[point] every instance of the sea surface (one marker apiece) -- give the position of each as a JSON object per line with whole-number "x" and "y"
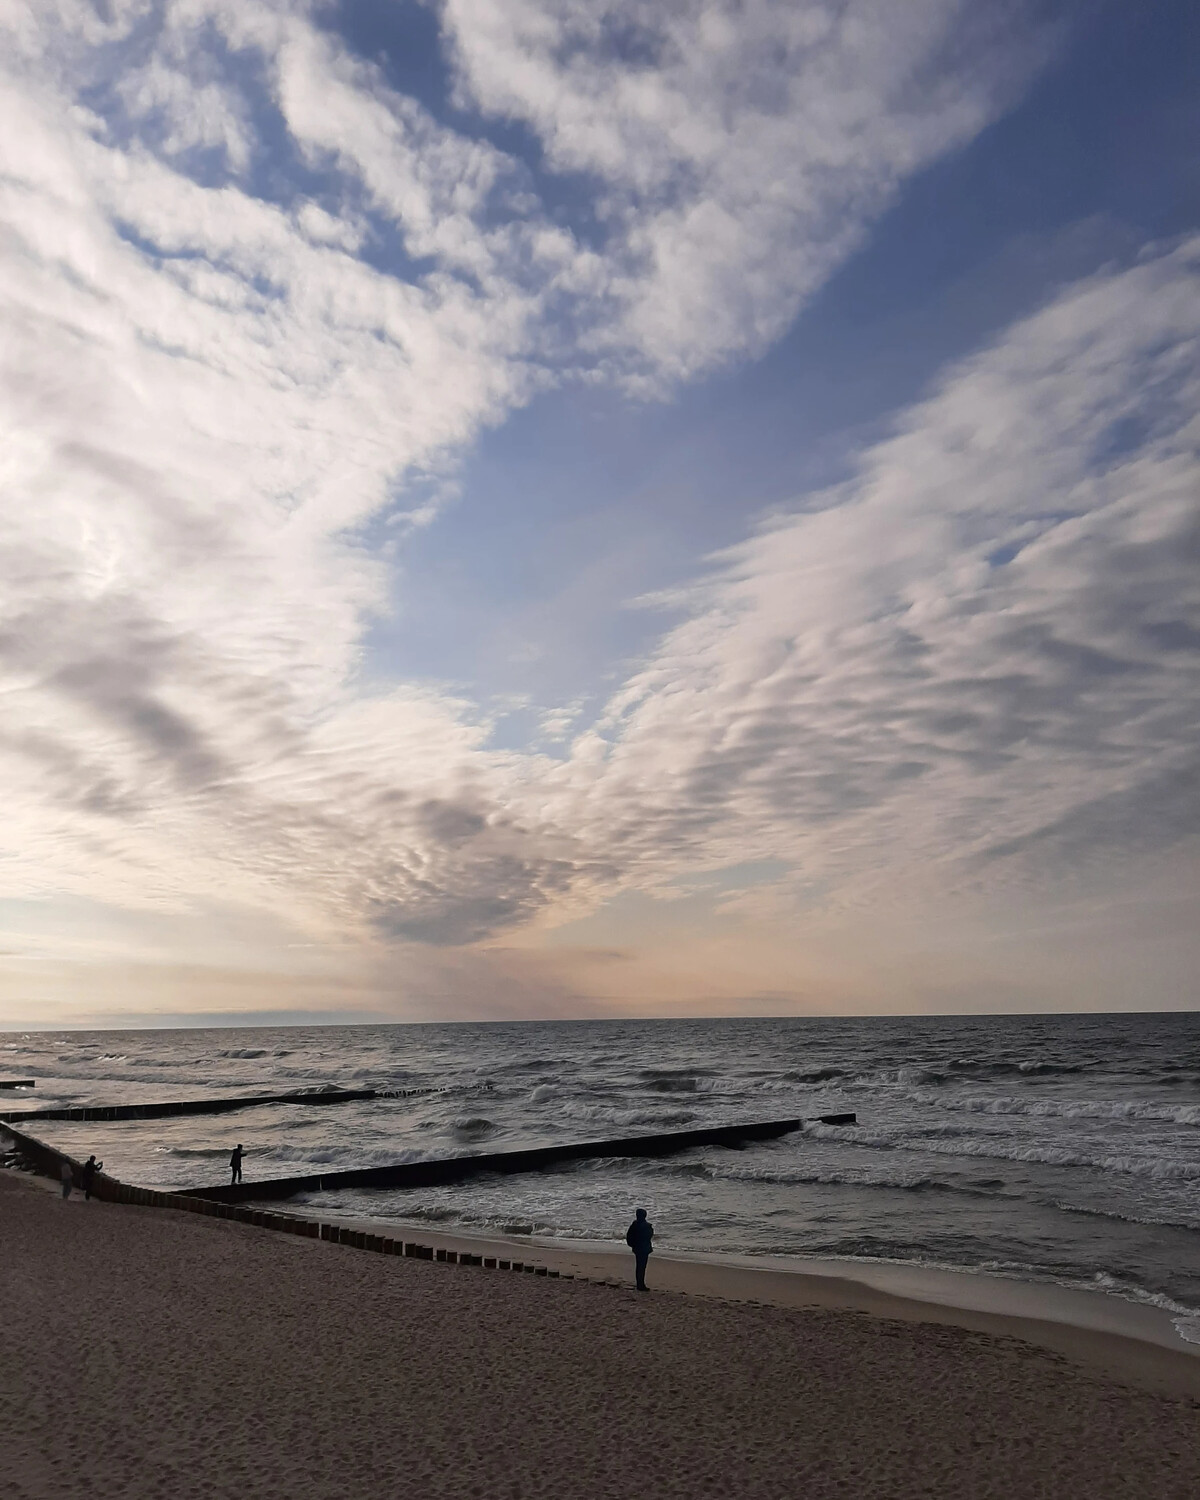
{"x": 1053, "y": 1148}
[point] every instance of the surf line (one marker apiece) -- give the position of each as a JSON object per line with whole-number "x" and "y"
{"x": 165, "y": 1109}
{"x": 440, "y": 1170}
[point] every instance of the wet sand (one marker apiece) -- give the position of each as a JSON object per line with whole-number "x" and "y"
{"x": 1109, "y": 1336}
{"x": 149, "y": 1353}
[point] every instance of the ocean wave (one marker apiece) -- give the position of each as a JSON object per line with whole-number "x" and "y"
{"x": 317, "y": 1157}
{"x": 901, "y": 1181}
{"x": 1185, "y": 1319}
{"x": 1069, "y": 1109}
{"x": 605, "y": 1114}
{"x": 1153, "y": 1221}
{"x": 435, "y": 1214}
{"x": 165, "y": 1063}
{"x": 689, "y": 1072}
{"x": 1158, "y": 1169}
{"x": 685, "y": 1083}
{"x": 190, "y": 1151}
{"x": 958, "y": 1070}
{"x": 1026, "y": 1067}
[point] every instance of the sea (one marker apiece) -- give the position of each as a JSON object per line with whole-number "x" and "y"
{"x": 1049, "y": 1148}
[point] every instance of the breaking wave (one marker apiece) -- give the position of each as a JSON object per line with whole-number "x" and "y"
{"x": 1068, "y": 1109}
{"x": 997, "y": 1148}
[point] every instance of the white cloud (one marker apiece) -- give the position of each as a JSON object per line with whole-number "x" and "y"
{"x": 193, "y": 113}
{"x": 203, "y": 393}
{"x": 738, "y": 149}
{"x": 980, "y": 654}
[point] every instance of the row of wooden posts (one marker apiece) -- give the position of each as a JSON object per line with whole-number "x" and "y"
{"x": 338, "y": 1234}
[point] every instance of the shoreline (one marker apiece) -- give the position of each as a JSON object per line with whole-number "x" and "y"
{"x": 1120, "y": 1339}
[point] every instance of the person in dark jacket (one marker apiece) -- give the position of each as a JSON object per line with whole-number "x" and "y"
{"x": 88, "y": 1175}
{"x": 235, "y": 1165}
{"x": 638, "y": 1237}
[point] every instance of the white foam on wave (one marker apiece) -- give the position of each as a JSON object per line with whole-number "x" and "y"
{"x": 1153, "y": 1221}
{"x": 999, "y": 1148}
{"x": 605, "y": 1114}
{"x": 1185, "y": 1320}
{"x": 1066, "y": 1109}
{"x": 902, "y": 1181}
{"x": 314, "y": 1158}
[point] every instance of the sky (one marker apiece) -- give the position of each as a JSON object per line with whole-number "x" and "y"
{"x": 574, "y": 508}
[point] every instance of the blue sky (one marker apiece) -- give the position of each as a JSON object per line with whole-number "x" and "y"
{"x": 1096, "y": 161}
{"x": 529, "y": 508}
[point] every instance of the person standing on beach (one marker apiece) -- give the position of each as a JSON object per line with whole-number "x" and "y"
{"x": 638, "y": 1237}
{"x": 235, "y": 1165}
{"x": 90, "y": 1168}
{"x": 68, "y": 1178}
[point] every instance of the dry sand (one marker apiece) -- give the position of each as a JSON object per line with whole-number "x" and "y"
{"x": 145, "y": 1353}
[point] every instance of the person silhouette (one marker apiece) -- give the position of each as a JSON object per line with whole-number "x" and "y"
{"x": 90, "y": 1168}
{"x": 68, "y": 1178}
{"x": 638, "y": 1237}
{"x": 235, "y": 1165}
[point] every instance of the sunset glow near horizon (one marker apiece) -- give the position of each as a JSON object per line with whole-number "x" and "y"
{"x": 528, "y": 508}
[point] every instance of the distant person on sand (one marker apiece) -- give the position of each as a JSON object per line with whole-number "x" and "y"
{"x": 235, "y": 1165}
{"x": 638, "y": 1237}
{"x": 90, "y": 1168}
{"x": 68, "y": 1178}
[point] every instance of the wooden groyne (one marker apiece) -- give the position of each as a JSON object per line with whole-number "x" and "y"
{"x": 166, "y": 1109}
{"x": 48, "y": 1161}
{"x": 441, "y": 1170}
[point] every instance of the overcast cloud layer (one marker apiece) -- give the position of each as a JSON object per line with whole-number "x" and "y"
{"x": 257, "y": 304}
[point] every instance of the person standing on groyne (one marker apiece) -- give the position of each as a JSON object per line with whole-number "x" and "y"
{"x": 235, "y": 1164}
{"x": 90, "y": 1168}
{"x": 638, "y": 1237}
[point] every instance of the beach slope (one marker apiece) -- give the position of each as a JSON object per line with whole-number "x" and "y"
{"x": 147, "y": 1353}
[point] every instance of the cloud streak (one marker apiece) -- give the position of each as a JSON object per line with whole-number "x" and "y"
{"x": 980, "y": 652}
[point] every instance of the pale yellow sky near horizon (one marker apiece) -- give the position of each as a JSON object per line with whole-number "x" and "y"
{"x": 643, "y": 956}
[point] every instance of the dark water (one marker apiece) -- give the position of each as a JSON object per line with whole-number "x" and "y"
{"x": 1061, "y": 1147}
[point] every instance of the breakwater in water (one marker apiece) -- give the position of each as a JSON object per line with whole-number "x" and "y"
{"x": 439, "y": 1171}
{"x": 167, "y": 1109}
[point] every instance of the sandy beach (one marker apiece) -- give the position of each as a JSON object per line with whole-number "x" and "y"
{"x": 1132, "y": 1343}
{"x": 151, "y": 1353}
